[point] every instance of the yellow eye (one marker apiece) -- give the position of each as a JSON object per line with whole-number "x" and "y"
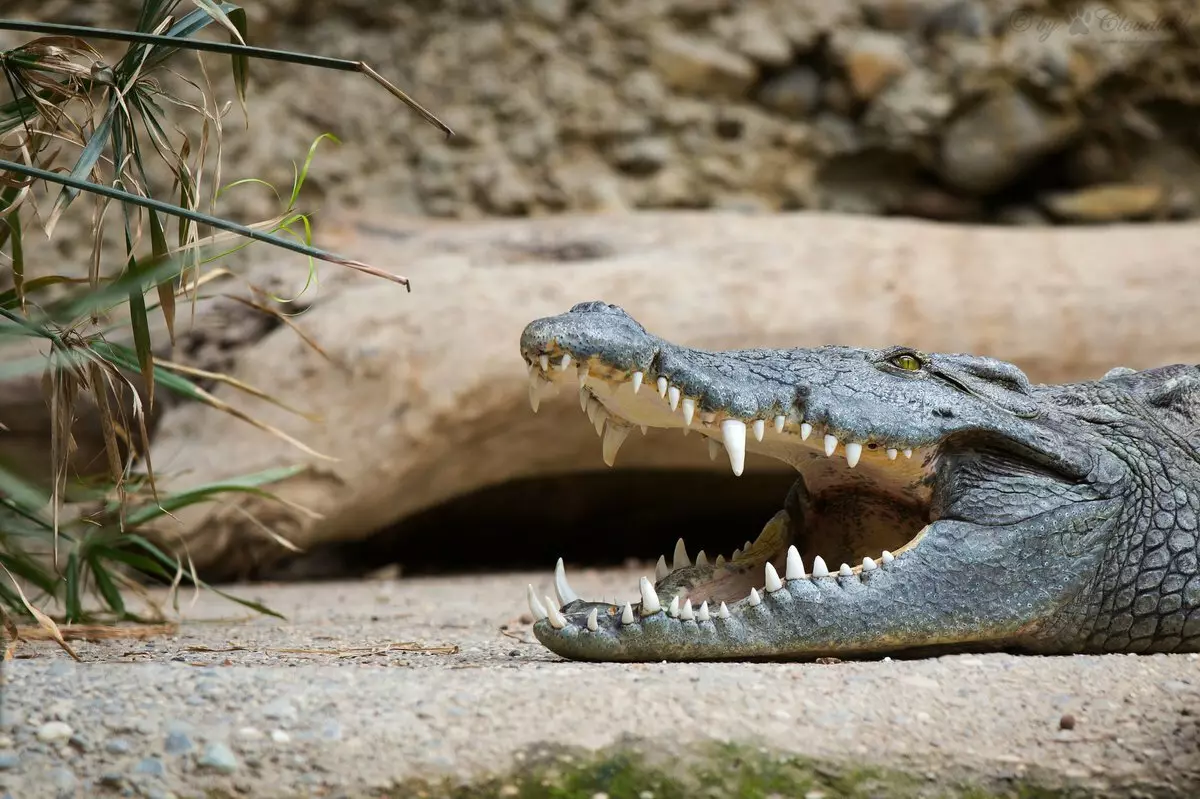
{"x": 909, "y": 363}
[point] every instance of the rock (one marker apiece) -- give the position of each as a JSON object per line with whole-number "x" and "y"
{"x": 642, "y": 157}
{"x": 117, "y": 746}
{"x": 795, "y": 92}
{"x": 54, "y": 732}
{"x": 754, "y": 33}
{"x": 701, "y": 67}
{"x": 218, "y": 757}
{"x": 871, "y": 60}
{"x": 1108, "y": 203}
{"x": 177, "y": 743}
{"x": 9, "y": 760}
{"x": 991, "y": 144}
{"x": 423, "y": 397}
{"x": 501, "y": 188}
{"x": 63, "y": 780}
{"x": 151, "y": 766}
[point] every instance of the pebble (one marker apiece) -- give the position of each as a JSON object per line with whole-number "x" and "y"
{"x": 63, "y": 780}
{"x": 9, "y": 760}
{"x": 280, "y": 737}
{"x": 54, "y": 732}
{"x": 218, "y": 757}
{"x": 177, "y": 743}
{"x": 117, "y": 746}
{"x": 150, "y": 765}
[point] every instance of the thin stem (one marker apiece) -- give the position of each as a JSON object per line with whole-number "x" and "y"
{"x": 228, "y": 48}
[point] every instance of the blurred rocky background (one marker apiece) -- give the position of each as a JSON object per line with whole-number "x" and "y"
{"x": 1059, "y": 140}
{"x": 1010, "y": 111}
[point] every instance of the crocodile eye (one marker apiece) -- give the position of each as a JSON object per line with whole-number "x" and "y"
{"x": 907, "y": 362}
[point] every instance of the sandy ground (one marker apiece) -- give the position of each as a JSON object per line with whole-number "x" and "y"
{"x": 342, "y": 700}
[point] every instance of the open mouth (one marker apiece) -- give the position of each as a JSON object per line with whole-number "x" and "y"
{"x": 856, "y": 507}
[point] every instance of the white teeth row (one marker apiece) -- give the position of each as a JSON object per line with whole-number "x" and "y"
{"x": 650, "y": 603}
{"x": 733, "y": 431}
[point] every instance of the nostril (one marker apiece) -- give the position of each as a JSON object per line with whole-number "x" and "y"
{"x": 944, "y": 413}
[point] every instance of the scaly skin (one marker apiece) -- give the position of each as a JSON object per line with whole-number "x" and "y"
{"x": 1051, "y": 519}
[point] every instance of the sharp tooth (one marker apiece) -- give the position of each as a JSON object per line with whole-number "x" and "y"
{"x": 544, "y": 362}
{"x": 819, "y": 567}
{"x": 535, "y": 607}
{"x": 891, "y": 453}
{"x": 707, "y": 418}
{"x": 773, "y": 583}
{"x": 650, "y": 603}
{"x": 868, "y": 565}
{"x": 592, "y": 406}
{"x": 831, "y": 443}
{"x": 660, "y": 569}
{"x": 534, "y": 397}
{"x": 733, "y": 431}
{"x": 723, "y": 612}
{"x": 673, "y": 608}
{"x": 562, "y": 588}
{"x": 780, "y": 421}
{"x": 584, "y": 394}
{"x": 591, "y": 620}
{"x": 636, "y": 380}
{"x": 627, "y": 614}
{"x": 661, "y": 385}
{"x": 614, "y": 437}
{"x": 737, "y": 553}
{"x": 557, "y": 620}
{"x": 680, "y": 559}
{"x": 645, "y": 429}
{"x": 805, "y": 431}
{"x": 853, "y": 453}
{"x": 564, "y": 363}
{"x": 719, "y": 563}
{"x": 908, "y": 453}
{"x": 887, "y": 557}
{"x": 686, "y": 613}
{"x": 755, "y": 600}
{"x": 746, "y": 546}
{"x": 702, "y": 613}
{"x": 701, "y": 558}
{"x": 532, "y": 372}
{"x": 714, "y": 449}
{"x": 582, "y": 373}
{"x": 845, "y": 570}
{"x": 795, "y": 566}
{"x": 673, "y": 396}
{"x": 759, "y": 428}
{"x": 601, "y": 416}
{"x": 689, "y": 410}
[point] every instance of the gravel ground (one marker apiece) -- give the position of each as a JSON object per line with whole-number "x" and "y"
{"x": 341, "y": 701}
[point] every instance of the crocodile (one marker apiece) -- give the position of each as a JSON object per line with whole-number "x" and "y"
{"x": 980, "y": 511}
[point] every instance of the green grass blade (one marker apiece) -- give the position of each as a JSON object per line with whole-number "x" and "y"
{"x": 73, "y": 576}
{"x": 28, "y": 570}
{"x": 13, "y": 224}
{"x": 106, "y": 587}
{"x": 10, "y": 300}
{"x": 16, "y": 488}
{"x": 135, "y": 561}
{"x": 140, "y": 322}
{"x": 247, "y": 484}
{"x": 88, "y": 159}
{"x": 241, "y": 63}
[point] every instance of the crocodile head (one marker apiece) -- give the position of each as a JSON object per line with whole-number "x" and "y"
{"x": 942, "y": 502}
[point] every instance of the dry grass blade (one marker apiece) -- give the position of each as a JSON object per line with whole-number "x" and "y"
{"x": 45, "y": 622}
{"x": 274, "y": 536}
{"x": 282, "y": 317}
{"x": 102, "y": 632}
{"x": 238, "y": 384}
